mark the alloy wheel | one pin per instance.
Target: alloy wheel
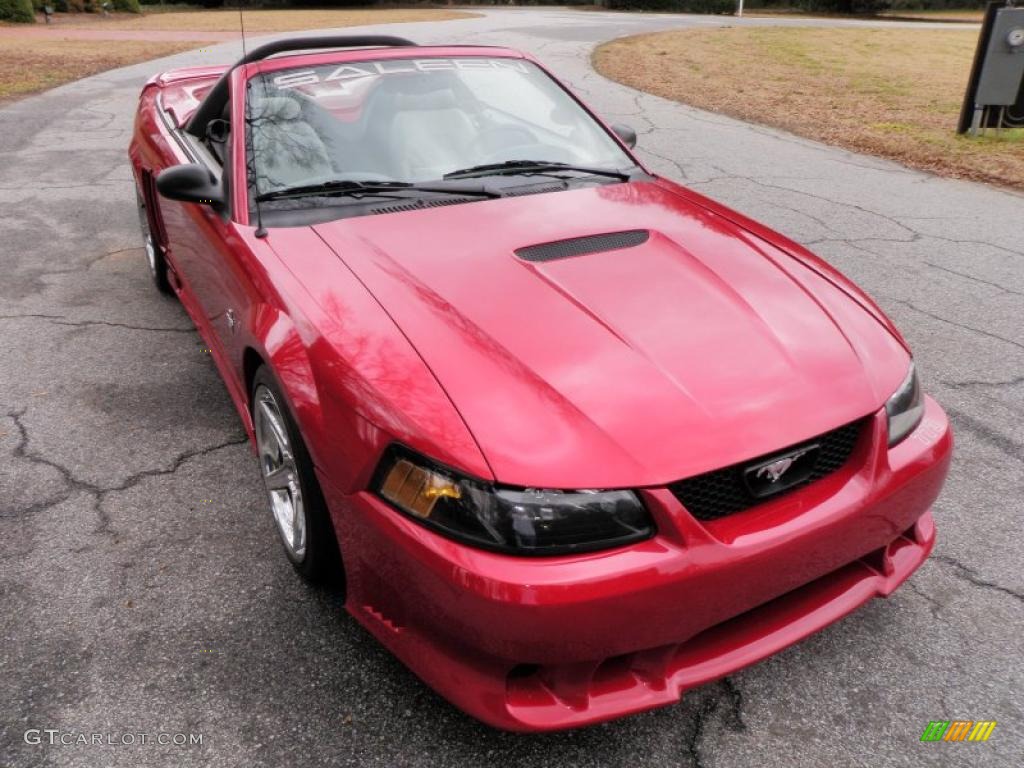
(280, 472)
(147, 235)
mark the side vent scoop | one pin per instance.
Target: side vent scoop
(581, 246)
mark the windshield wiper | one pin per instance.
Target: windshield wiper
(345, 187)
(511, 167)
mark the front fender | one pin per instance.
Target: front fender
(274, 336)
(352, 380)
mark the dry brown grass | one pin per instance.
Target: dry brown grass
(263, 21)
(27, 66)
(965, 15)
(948, 14)
(889, 92)
(35, 64)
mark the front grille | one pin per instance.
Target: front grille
(723, 492)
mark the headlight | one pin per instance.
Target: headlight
(518, 521)
(905, 408)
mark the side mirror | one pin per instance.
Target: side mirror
(218, 130)
(191, 183)
(626, 134)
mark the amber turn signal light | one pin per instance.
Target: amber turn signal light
(417, 489)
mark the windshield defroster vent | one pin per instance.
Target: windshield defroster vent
(581, 246)
(416, 205)
(533, 189)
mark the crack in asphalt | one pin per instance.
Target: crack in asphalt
(993, 384)
(933, 605)
(83, 266)
(972, 278)
(861, 243)
(985, 243)
(97, 259)
(62, 320)
(857, 244)
(964, 326)
(965, 422)
(44, 187)
(968, 574)
(816, 219)
(706, 709)
(835, 155)
(915, 235)
(922, 236)
(735, 712)
(726, 699)
(98, 493)
(21, 451)
(667, 159)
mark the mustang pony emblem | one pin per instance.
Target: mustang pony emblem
(777, 469)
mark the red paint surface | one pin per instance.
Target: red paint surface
(714, 342)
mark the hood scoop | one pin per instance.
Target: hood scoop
(581, 246)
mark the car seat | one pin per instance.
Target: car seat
(286, 150)
(418, 127)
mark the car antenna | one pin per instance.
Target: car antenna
(260, 231)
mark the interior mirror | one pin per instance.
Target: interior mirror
(626, 134)
(191, 183)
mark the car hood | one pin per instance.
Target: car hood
(635, 366)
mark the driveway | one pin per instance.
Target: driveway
(142, 588)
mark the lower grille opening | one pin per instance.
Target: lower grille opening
(726, 491)
(615, 672)
(523, 670)
(565, 694)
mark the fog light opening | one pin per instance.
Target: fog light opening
(520, 671)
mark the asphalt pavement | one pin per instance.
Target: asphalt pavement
(142, 588)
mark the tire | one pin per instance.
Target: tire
(293, 494)
(155, 259)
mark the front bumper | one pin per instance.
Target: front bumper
(536, 644)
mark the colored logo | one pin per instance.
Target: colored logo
(958, 730)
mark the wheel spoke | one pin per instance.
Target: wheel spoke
(279, 478)
(270, 448)
(276, 431)
(298, 521)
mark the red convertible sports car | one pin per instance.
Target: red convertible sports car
(577, 437)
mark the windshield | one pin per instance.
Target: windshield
(414, 120)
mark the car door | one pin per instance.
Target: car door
(203, 250)
(221, 263)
